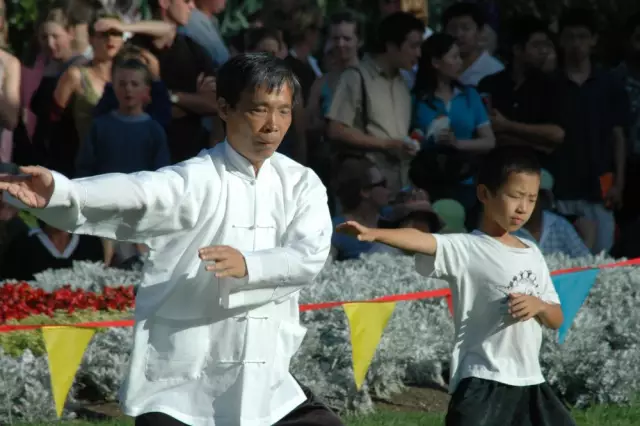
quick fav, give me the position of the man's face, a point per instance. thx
(467, 33)
(512, 204)
(577, 42)
(257, 124)
(179, 11)
(407, 54)
(536, 50)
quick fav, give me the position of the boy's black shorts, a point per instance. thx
(479, 402)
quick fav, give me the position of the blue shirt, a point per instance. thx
(557, 236)
(123, 144)
(465, 110)
(159, 109)
(202, 30)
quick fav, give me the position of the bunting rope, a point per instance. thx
(428, 294)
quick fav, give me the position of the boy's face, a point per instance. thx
(467, 33)
(130, 88)
(511, 205)
(578, 42)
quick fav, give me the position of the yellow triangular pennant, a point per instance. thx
(367, 322)
(65, 348)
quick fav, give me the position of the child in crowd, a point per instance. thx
(502, 296)
(127, 140)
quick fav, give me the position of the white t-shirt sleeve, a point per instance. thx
(452, 254)
(548, 292)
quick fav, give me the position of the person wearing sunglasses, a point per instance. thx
(362, 192)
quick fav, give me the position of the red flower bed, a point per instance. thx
(19, 301)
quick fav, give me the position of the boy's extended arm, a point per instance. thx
(407, 239)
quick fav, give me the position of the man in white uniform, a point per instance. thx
(234, 234)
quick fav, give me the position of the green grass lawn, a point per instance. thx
(597, 416)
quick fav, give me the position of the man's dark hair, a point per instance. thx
(395, 28)
(133, 64)
(460, 10)
(346, 16)
(524, 27)
(633, 23)
(501, 162)
(578, 18)
(248, 71)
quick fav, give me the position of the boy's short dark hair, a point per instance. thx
(502, 161)
(459, 10)
(578, 18)
(395, 28)
(133, 64)
(248, 71)
(524, 27)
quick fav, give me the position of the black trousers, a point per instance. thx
(312, 412)
(478, 402)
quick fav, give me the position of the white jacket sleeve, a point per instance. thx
(275, 273)
(125, 207)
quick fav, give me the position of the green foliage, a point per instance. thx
(16, 342)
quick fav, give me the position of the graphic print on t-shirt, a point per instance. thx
(525, 282)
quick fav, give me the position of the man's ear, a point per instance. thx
(223, 109)
(483, 193)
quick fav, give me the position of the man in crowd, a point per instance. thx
(589, 167)
(465, 22)
(521, 98)
(189, 73)
(370, 112)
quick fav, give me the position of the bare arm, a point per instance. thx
(485, 141)
(355, 137)
(551, 316)
(10, 100)
(156, 29)
(407, 239)
(200, 103)
(68, 84)
(314, 118)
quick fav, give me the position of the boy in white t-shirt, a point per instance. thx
(502, 296)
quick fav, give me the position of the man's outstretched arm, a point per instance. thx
(131, 207)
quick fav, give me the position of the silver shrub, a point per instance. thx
(598, 363)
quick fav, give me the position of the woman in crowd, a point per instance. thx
(448, 113)
(81, 87)
(56, 40)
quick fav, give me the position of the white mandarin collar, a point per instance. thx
(241, 164)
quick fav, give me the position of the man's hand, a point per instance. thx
(447, 137)
(613, 199)
(206, 84)
(34, 187)
(524, 307)
(354, 229)
(499, 122)
(228, 262)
